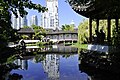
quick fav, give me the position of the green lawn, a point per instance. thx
(83, 46)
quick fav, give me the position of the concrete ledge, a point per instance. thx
(100, 48)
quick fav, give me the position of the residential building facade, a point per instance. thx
(24, 21)
(18, 22)
(34, 20)
(49, 19)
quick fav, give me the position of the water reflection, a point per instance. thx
(62, 63)
(5, 70)
(51, 66)
(53, 49)
(100, 65)
(15, 76)
(23, 63)
(59, 63)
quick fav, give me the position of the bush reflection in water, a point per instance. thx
(100, 65)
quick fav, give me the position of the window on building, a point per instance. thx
(67, 35)
(74, 35)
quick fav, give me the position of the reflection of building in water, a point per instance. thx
(51, 66)
(22, 63)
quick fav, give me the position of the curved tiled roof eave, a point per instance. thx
(101, 9)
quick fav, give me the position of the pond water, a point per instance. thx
(63, 65)
(53, 67)
(58, 63)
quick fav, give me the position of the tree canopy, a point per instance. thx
(40, 32)
(67, 27)
(7, 7)
(83, 31)
(16, 6)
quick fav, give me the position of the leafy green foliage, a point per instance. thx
(67, 27)
(13, 6)
(83, 30)
(39, 32)
(11, 59)
(25, 27)
(25, 36)
(40, 43)
(115, 35)
(19, 5)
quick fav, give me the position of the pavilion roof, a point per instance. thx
(26, 31)
(62, 32)
(101, 9)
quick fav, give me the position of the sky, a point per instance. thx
(66, 13)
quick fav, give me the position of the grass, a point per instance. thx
(83, 46)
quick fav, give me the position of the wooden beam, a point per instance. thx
(90, 30)
(116, 23)
(97, 24)
(109, 30)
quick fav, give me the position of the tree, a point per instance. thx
(7, 7)
(39, 32)
(25, 36)
(83, 30)
(25, 27)
(67, 27)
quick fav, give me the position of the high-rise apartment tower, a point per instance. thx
(49, 19)
(34, 20)
(24, 21)
(18, 22)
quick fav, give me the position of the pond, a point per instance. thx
(56, 63)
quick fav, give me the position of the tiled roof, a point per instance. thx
(63, 32)
(96, 9)
(30, 30)
(26, 30)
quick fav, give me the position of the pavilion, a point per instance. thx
(98, 10)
